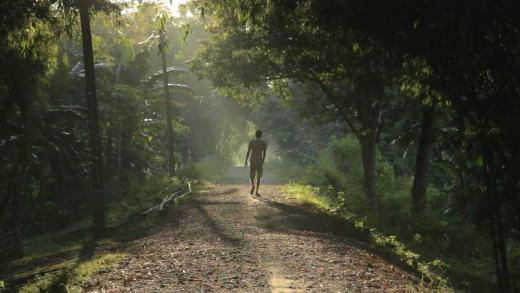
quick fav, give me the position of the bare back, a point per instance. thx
(257, 147)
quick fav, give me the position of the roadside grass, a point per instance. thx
(433, 272)
(307, 194)
(74, 277)
(441, 240)
(66, 240)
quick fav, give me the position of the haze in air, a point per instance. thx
(259, 146)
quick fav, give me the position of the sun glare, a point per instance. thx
(173, 5)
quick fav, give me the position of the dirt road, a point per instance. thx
(232, 241)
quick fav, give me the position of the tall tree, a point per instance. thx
(424, 148)
(472, 48)
(260, 43)
(170, 160)
(96, 160)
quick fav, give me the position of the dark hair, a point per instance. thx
(258, 133)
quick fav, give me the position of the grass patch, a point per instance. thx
(74, 278)
(307, 194)
(62, 241)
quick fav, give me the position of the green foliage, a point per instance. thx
(70, 238)
(377, 69)
(307, 194)
(142, 195)
(73, 278)
(339, 166)
(447, 243)
(433, 272)
(285, 122)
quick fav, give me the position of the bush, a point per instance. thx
(444, 240)
(142, 195)
(339, 168)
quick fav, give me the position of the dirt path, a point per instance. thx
(235, 242)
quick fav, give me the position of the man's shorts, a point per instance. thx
(256, 170)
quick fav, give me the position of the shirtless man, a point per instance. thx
(257, 149)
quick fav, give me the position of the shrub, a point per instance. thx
(339, 166)
(445, 240)
(141, 195)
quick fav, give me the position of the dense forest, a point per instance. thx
(394, 125)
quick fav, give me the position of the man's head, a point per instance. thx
(258, 134)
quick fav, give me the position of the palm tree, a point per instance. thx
(167, 106)
(181, 89)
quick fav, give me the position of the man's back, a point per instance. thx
(257, 147)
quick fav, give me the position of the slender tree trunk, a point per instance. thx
(420, 181)
(495, 217)
(170, 160)
(96, 162)
(109, 154)
(119, 156)
(368, 157)
(57, 165)
(499, 244)
(124, 153)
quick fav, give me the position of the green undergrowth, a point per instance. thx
(62, 241)
(123, 208)
(307, 194)
(125, 222)
(441, 242)
(74, 277)
(433, 272)
(141, 195)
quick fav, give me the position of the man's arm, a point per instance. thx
(264, 153)
(247, 155)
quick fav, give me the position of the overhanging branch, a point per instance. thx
(333, 98)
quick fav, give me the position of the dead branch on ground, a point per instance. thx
(168, 198)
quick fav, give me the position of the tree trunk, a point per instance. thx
(96, 162)
(495, 214)
(124, 153)
(368, 157)
(420, 181)
(170, 160)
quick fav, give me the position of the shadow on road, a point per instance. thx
(308, 221)
(214, 224)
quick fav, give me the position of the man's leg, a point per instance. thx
(252, 177)
(259, 173)
(257, 184)
(252, 186)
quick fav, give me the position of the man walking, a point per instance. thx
(257, 149)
